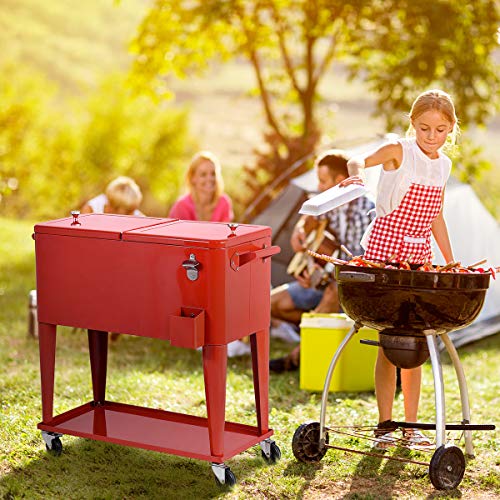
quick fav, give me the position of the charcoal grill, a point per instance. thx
(410, 309)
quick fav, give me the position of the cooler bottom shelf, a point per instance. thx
(152, 429)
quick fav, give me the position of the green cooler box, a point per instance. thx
(320, 336)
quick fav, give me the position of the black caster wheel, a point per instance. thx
(55, 446)
(223, 475)
(305, 443)
(274, 453)
(447, 467)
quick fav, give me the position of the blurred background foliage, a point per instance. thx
(72, 118)
(69, 122)
(54, 157)
(399, 48)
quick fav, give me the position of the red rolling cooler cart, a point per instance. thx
(195, 284)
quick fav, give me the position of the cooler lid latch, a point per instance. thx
(75, 214)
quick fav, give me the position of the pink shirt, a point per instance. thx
(184, 209)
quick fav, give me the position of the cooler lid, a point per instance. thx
(332, 320)
(106, 226)
(198, 234)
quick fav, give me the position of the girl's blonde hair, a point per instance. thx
(196, 161)
(440, 101)
(124, 194)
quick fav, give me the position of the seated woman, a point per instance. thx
(205, 198)
(122, 196)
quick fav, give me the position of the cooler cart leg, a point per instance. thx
(99, 426)
(260, 365)
(464, 393)
(214, 373)
(326, 387)
(47, 347)
(98, 351)
(437, 373)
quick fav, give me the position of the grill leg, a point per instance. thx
(437, 374)
(326, 387)
(464, 393)
(47, 347)
(259, 343)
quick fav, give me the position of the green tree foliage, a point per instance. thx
(25, 129)
(131, 135)
(54, 157)
(405, 47)
(401, 48)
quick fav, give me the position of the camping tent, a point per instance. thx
(474, 234)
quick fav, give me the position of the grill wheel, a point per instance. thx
(305, 443)
(447, 467)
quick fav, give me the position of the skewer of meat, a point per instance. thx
(327, 258)
(447, 267)
(347, 251)
(472, 266)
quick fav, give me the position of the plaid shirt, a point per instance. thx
(349, 222)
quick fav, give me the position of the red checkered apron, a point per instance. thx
(405, 233)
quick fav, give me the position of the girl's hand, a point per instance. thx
(353, 179)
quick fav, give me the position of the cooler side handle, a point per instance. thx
(240, 259)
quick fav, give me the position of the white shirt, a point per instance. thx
(416, 167)
(98, 203)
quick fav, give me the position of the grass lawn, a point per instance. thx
(151, 373)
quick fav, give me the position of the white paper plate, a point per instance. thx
(332, 198)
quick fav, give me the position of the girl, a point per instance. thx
(409, 207)
(205, 199)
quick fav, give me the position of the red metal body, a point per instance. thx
(196, 284)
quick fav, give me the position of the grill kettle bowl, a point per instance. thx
(403, 305)
(412, 301)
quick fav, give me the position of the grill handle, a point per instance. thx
(240, 259)
(370, 342)
(356, 277)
